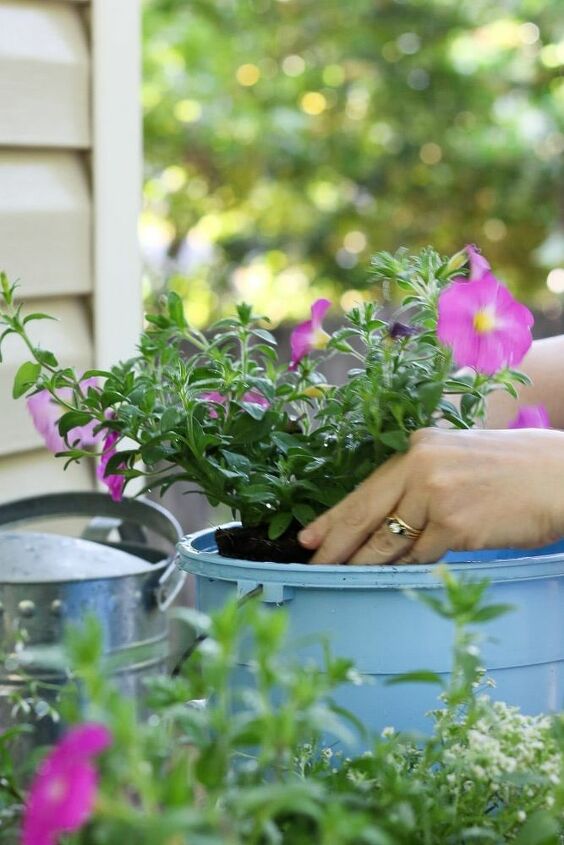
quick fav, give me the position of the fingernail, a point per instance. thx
(307, 537)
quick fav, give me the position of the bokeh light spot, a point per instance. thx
(495, 229)
(555, 280)
(293, 65)
(430, 153)
(409, 43)
(188, 111)
(313, 103)
(355, 241)
(174, 177)
(248, 75)
(350, 299)
(552, 56)
(529, 33)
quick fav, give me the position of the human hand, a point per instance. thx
(462, 490)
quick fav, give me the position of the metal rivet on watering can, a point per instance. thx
(57, 608)
(26, 608)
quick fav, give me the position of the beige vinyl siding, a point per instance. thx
(49, 205)
(45, 221)
(44, 74)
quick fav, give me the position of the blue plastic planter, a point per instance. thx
(367, 616)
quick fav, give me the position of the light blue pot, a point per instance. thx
(366, 615)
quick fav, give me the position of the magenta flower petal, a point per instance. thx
(478, 264)
(252, 396)
(483, 324)
(45, 413)
(256, 398)
(301, 341)
(63, 792)
(61, 800)
(114, 483)
(309, 335)
(85, 740)
(214, 396)
(531, 416)
(318, 311)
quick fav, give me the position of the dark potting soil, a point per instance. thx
(253, 544)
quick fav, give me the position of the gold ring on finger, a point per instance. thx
(396, 525)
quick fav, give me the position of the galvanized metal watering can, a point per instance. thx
(48, 581)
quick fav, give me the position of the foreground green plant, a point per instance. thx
(264, 763)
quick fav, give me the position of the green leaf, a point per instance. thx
(37, 315)
(7, 289)
(430, 395)
(245, 429)
(279, 524)
(157, 320)
(396, 440)
(95, 373)
(423, 676)
(176, 310)
(285, 441)
(468, 404)
(170, 419)
(45, 357)
(329, 496)
(255, 411)
(71, 420)
(303, 513)
(25, 378)
(491, 611)
(265, 335)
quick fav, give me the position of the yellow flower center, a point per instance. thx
(320, 339)
(484, 321)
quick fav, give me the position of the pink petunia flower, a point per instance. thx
(114, 483)
(251, 396)
(46, 413)
(310, 335)
(486, 328)
(531, 416)
(62, 795)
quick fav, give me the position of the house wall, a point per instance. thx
(70, 175)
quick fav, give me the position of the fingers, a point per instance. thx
(384, 546)
(338, 533)
(429, 548)
(381, 547)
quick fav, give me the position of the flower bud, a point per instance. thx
(317, 391)
(457, 262)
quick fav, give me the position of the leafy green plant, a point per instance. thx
(264, 762)
(276, 444)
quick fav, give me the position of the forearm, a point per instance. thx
(544, 364)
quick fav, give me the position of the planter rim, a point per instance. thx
(198, 555)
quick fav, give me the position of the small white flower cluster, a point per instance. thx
(498, 744)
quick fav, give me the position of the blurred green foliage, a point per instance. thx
(287, 140)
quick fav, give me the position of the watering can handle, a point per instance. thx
(170, 583)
